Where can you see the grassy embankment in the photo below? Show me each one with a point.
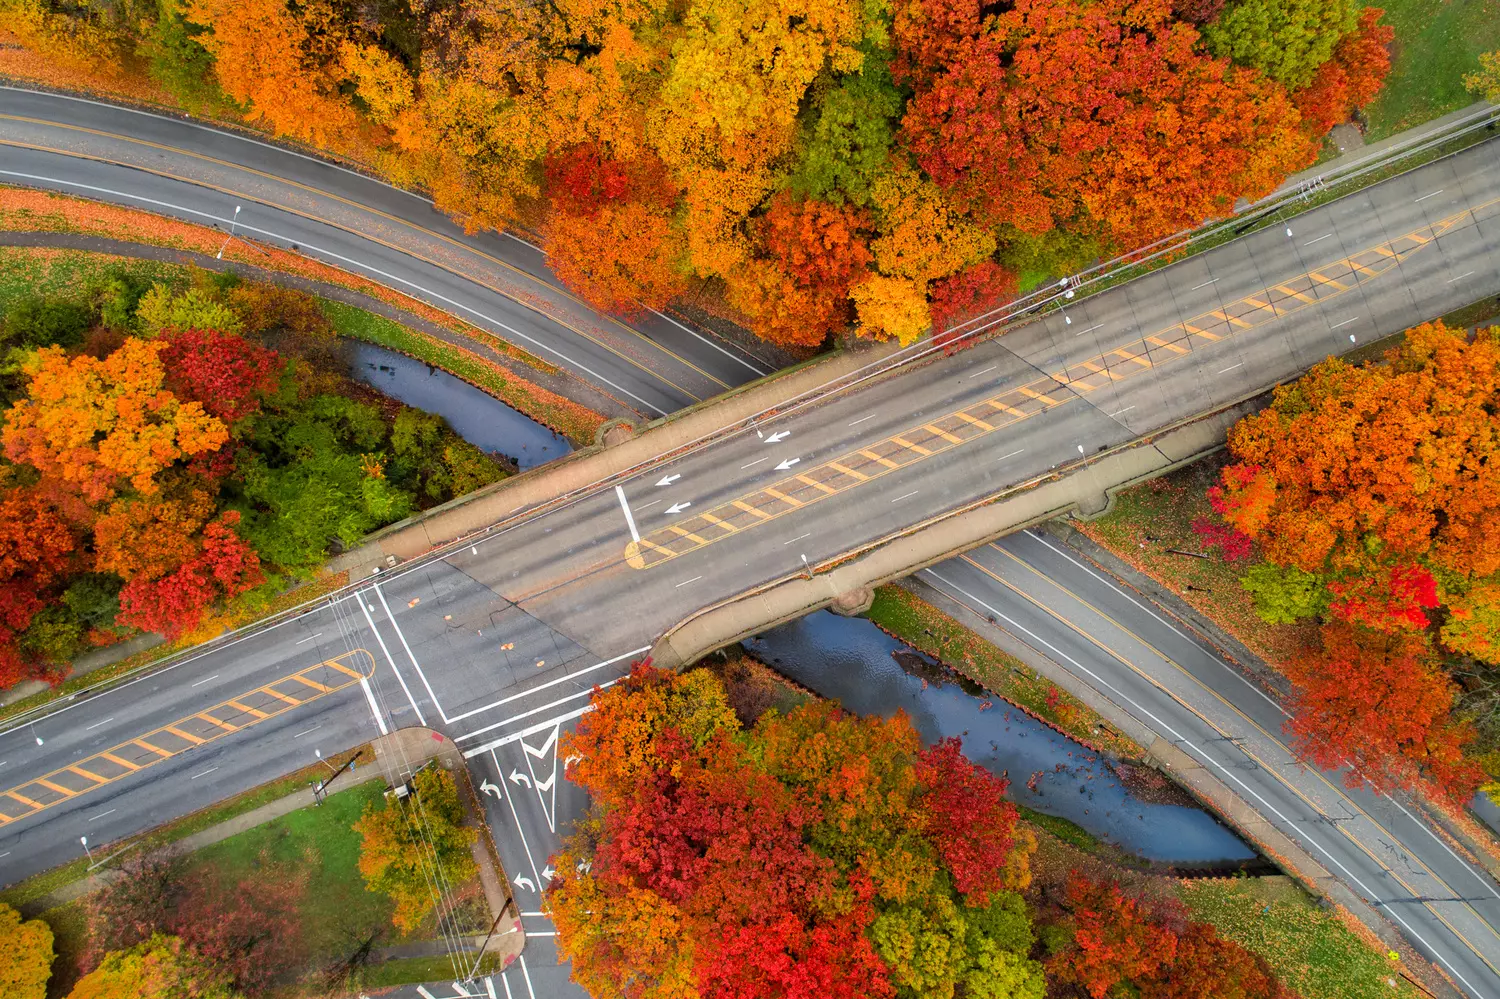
(919, 624)
(336, 911)
(1437, 42)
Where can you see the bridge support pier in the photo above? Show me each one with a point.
(853, 603)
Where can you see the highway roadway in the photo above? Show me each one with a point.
(1067, 609)
(501, 283)
(497, 644)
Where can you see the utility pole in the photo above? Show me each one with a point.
(320, 788)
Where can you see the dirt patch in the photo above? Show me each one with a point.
(1151, 785)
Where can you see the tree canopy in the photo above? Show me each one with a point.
(814, 854)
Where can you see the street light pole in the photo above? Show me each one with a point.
(86, 851)
(320, 789)
(232, 221)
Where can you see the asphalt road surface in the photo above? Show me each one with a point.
(501, 283)
(498, 644)
(1067, 609)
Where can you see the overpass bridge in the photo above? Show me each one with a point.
(497, 640)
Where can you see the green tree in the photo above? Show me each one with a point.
(409, 845)
(42, 320)
(1285, 595)
(193, 309)
(25, 956)
(1286, 39)
(846, 145)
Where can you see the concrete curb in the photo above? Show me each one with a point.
(945, 535)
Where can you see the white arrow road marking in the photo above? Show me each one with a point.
(548, 873)
(487, 788)
(679, 507)
(546, 746)
(525, 882)
(516, 777)
(546, 785)
(778, 436)
(787, 464)
(584, 866)
(667, 480)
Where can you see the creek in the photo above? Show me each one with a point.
(474, 415)
(1133, 808)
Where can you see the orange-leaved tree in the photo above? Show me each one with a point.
(99, 426)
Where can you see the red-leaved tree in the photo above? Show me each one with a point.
(225, 566)
(36, 546)
(225, 372)
(969, 820)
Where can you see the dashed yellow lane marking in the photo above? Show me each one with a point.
(43, 792)
(1021, 402)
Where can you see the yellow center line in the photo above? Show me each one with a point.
(113, 754)
(648, 553)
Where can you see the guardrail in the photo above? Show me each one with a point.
(1323, 187)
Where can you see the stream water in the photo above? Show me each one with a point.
(476, 416)
(850, 659)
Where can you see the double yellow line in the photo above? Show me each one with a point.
(225, 718)
(1009, 407)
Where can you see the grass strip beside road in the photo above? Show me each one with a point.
(1437, 42)
(47, 882)
(1310, 948)
(903, 615)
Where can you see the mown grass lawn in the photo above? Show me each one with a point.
(321, 842)
(1310, 949)
(1437, 42)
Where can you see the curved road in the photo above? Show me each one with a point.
(498, 644)
(500, 283)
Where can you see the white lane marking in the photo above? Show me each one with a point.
(422, 991)
(647, 506)
(5, 854)
(1426, 196)
(1119, 411)
(415, 665)
(364, 683)
(543, 686)
(489, 987)
(1089, 330)
(1011, 455)
(348, 260)
(102, 814)
(757, 461)
(97, 724)
(976, 374)
(1346, 322)
(379, 638)
(687, 581)
(539, 726)
(316, 727)
(1231, 367)
(855, 423)
(310, 638)
(1184, 741)
(525, 847)
(909, 495)
(1326, 235)
(540, 933)
(205, 680)
(796, 539)
(527, 975)
(203, 774)
(1164, 622)
(1459, 278)
(732, 356)
(629, 519)
(1204, 284)
(505, 980)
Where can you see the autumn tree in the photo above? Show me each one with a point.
(410, 846)
(960, 301)
(1285, 39)
(225, 566)
(36, 545)
(1351, 78)
(813, 854)
(1377, 480)
(1485, 81)
(1118, 944)
(25, 955)
(610, 234)
(161, 968)
(1379, 703)
(223, 372)
(99, 426)
(1102, 115)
